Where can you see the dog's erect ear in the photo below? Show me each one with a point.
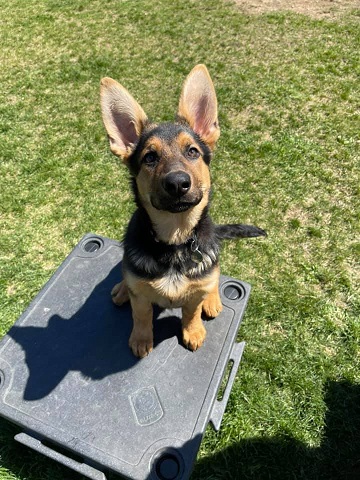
(123, 117)
(198, 105)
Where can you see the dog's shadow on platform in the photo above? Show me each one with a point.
(93, 341)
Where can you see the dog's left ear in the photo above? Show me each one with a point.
(198, 105)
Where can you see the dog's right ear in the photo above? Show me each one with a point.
(198, 105)
(123, 117)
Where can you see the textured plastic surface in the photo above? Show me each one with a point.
(69, 379)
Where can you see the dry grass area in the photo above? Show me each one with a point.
(315, 8)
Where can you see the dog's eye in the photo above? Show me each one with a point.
(150, 158)
(193, 153)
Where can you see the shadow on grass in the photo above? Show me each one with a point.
(338, 457)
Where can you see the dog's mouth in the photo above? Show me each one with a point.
(180, 207)
(175, 205)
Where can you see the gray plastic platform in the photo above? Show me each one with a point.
(69, 379)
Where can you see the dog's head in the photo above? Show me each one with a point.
(169, 161)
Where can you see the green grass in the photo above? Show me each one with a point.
(287, 160)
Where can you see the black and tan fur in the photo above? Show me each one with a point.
(169, 167)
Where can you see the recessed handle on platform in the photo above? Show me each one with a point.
(38, 446)
(219, 407)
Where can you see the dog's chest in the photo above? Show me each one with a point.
(171, 289)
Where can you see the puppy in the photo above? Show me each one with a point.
(171, 246)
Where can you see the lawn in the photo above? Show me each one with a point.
(287, 160)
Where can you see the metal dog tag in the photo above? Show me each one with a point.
(196, 255)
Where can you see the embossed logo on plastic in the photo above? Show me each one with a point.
(146, 406)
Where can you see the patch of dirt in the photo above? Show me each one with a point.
(313, 8)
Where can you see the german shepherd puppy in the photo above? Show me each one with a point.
(171, 247)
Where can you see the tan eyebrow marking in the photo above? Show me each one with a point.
(154, 144)
(185, 140)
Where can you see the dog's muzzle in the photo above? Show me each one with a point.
(175, 193)
(176, 184)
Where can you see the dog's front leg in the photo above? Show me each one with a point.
(120, 293)
(193, 330)
(212, 305)
(141, 338)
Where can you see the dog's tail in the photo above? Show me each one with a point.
(238, 230)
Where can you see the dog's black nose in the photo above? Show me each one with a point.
(177, 184)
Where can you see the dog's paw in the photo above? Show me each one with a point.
(120, 293)
(195, 338)
(140, 345)
(212, 306)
